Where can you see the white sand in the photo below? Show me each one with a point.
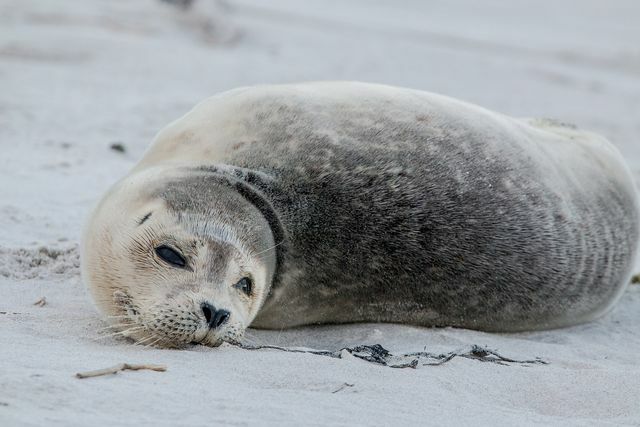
(78, 76)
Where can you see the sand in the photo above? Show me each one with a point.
(79, 77)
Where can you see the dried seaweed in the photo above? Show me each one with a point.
(379, 355)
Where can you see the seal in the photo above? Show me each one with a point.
(287, 205)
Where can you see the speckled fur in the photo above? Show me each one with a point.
(392, 205)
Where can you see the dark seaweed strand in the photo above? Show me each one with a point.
(377, 354)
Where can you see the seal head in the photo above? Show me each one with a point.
(177, 256)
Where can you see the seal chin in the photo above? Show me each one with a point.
(210, 342)
(231, 335)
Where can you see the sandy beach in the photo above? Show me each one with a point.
(84, 87)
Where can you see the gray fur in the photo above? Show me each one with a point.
(398, 210)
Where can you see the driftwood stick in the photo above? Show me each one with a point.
(342, 387)
(118, 368)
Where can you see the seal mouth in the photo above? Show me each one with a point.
(130, 324)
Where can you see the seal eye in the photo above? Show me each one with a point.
(245, 285)
(170, 256)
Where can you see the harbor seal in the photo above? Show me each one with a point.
(287, 205)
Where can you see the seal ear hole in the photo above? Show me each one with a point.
(245, 285)
(144, 218)
(171, 256)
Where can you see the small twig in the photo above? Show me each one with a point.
(41, 302)
(118, 368)
(342, 387)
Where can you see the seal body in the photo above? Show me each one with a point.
(393, 205)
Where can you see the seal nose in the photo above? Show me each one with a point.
(215, 318)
